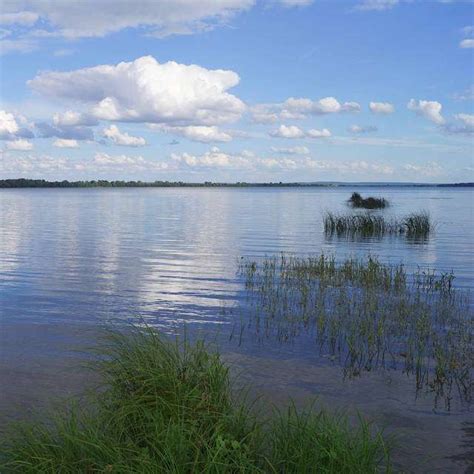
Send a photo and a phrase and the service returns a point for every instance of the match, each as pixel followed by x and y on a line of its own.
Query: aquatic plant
pixel 365 224
pixel 356 200
pixel 169 407
pixel 417 224
pixel 414 225
pixel 367 315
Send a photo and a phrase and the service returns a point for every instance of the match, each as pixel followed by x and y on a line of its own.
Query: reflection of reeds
pixel 413 225
pixel 356 200
pixel 369 315
pixel 169 408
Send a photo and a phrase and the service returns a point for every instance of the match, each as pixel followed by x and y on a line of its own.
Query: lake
pixel 72 260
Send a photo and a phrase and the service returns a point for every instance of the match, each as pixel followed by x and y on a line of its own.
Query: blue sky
pixel 232 90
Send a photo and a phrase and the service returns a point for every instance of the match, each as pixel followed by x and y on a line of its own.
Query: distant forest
pixel 41 183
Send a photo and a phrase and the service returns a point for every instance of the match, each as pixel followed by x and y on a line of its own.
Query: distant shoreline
pixel 41 183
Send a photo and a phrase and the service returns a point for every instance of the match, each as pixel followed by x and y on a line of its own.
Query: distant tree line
pixel 102 183
pixel 457 185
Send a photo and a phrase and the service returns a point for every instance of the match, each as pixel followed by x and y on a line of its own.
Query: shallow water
pixel 71 260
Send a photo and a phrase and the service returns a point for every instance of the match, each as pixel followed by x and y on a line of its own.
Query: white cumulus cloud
pixel 92 18
pixel 20 145
pixel 127 163
pixel 467 43
pixel 383 108
pixel 265 113
pixel 300 108
pixel 145 90
pixel 465 125
pixel 14 125
pixel 327 105
pixel 467 119
pixel 287 131
pixel 429 109
pixel 65 143
pixel 315 133
pixel 101 164
pixel 122 138
pixel 197 133
pixel 214 158
pixel 72 119
pixel 8 124
pixel 292 131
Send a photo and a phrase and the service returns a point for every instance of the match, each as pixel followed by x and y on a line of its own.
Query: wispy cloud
pixel 362 128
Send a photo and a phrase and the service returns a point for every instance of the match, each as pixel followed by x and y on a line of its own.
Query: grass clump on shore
pixel 356 200
pixel 169 408
pixel 367 315
pixel 414 225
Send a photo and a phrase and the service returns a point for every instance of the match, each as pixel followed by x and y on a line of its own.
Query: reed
pixel 417 224
pixel 413 225
pixel 367 315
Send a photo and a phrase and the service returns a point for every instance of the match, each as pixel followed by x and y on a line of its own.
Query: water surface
pixel 74 259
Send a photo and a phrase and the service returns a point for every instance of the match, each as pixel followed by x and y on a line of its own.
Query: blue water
pixel 73 259
pixel 76 255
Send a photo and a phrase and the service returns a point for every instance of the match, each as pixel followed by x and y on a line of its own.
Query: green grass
pixel 357 201
pixel 413 225
pixel 367 315
pixel 169 408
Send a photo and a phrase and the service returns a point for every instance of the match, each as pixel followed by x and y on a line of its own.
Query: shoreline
pixel 427 439
pixel 41 183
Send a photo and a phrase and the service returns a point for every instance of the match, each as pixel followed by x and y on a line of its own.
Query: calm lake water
pixel 72 260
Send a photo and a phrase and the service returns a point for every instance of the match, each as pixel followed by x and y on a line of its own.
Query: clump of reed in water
pixel 367 315
pixel 356 200
pixel 169 407
pixel 366 224
pixel 415 225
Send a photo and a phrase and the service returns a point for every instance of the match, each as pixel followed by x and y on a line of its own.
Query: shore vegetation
pixel 170 407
